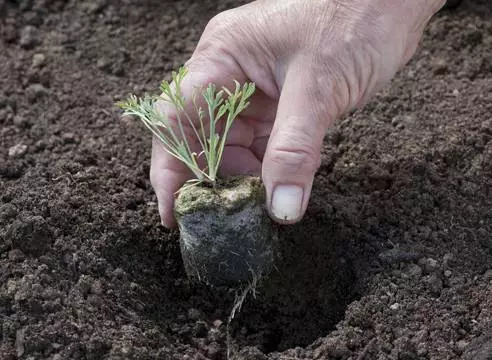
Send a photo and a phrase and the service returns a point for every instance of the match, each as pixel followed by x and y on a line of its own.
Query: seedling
pixel 226 236
pixel 219 111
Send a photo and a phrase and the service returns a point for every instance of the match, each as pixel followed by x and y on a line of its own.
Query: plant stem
pixel 213 146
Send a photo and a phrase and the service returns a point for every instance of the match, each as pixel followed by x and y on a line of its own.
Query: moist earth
pixel 392 261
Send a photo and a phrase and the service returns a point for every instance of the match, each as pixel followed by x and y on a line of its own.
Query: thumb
pixel 293 152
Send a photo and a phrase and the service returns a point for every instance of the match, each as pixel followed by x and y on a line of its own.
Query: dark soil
pixel 393 260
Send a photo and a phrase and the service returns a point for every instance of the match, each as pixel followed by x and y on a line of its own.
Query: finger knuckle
pixel 217 43
pixel 220 21
pixel 297 153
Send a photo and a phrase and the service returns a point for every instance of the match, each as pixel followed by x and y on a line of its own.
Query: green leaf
pixel 177 144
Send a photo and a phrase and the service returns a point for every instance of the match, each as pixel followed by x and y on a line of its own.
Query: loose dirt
pixel 394 257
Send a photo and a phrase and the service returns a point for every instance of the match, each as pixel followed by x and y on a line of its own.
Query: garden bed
pixel 392 261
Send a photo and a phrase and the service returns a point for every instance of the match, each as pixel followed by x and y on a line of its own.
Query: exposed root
pixel 238 303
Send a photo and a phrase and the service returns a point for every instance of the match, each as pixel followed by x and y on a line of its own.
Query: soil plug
pixel 226 236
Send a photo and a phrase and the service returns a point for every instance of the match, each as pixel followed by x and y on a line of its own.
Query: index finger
pixel 167 175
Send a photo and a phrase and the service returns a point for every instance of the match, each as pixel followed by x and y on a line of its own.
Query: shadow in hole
pixel 307 295
pixel 301 301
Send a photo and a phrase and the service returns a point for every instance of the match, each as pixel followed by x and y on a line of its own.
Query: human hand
pixel 311 61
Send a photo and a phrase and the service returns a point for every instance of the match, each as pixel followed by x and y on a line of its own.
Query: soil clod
pixel 410 171
pixel 31 235
pixel 226 235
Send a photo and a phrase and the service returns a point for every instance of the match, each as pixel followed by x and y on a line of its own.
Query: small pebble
pixel 28 37
pixel 17 150
pixel 38 60
pixel 69 137
pixel 103 64
pixel 447 260
pixel 134 286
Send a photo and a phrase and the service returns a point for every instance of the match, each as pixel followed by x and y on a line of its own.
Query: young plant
pixel 224 239
pixel 203 124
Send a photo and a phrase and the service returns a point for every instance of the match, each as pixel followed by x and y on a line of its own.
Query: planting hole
pixel 303 299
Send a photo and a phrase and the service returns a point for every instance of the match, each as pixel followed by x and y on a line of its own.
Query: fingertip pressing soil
pixel 394 257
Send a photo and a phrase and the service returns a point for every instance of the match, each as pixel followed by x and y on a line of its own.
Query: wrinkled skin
pixel 312 61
